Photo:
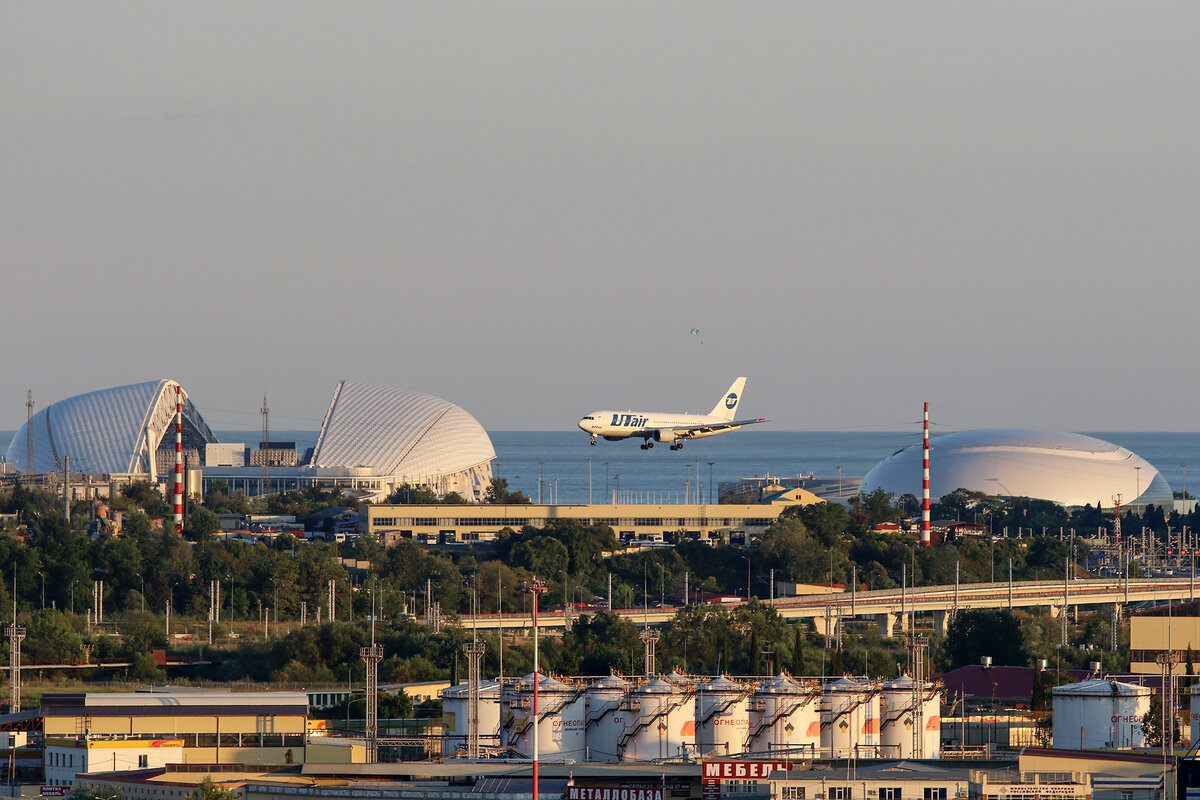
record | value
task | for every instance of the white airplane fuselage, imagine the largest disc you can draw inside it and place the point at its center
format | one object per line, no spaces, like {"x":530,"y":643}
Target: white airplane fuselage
{"x":617,"y":425}
{"x":658,"y":426}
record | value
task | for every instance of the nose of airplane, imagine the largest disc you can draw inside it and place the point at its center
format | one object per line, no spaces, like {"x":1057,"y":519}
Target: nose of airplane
{"x":583,"y":423}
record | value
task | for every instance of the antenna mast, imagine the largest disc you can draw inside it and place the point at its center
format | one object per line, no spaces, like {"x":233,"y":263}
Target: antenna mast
{"x":265,"y":479}
{"x":372,"y":655}
{"x":16,"y":633}
{"x":29,"y":431}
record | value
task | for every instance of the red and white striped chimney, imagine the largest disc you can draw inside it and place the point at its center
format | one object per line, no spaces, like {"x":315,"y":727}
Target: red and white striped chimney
{"x":925,"y":538}
{"x":178,"y":458}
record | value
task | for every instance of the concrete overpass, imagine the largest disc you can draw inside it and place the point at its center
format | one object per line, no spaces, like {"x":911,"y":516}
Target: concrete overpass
{"x":893,"y":608}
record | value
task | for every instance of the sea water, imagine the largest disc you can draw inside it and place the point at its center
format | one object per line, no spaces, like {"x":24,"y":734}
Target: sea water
{"x":560,"y":466}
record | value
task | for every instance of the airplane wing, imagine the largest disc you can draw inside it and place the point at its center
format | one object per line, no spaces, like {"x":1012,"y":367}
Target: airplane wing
{"x":688,"y":431}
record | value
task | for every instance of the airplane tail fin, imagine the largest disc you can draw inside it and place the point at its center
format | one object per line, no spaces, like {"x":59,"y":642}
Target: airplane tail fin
{"x":727,"y":406}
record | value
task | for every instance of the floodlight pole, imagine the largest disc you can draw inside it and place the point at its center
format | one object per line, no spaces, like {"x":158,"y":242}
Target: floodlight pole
{"x":535,"y":588}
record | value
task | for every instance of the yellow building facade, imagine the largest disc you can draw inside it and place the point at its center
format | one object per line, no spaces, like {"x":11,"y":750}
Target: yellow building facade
{"x":215,"y":727}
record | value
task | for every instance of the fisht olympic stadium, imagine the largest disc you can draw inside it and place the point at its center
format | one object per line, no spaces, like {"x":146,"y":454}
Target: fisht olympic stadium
{"x":1070,"y":469}
{"x":372,"y":441}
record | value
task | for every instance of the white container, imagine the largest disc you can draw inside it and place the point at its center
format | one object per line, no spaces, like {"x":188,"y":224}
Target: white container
{"x":604,"y":720}
{"x":898,"y":720}
{"x":1099,"y":714}
{"x":849,"y":719}
{"x":561,"y":710}
{"x":661,"y":722}
{"x":785,"y":716}
{"x":722,"y":718}
{"x":1194,"y":713}
{"x":456,"y":708}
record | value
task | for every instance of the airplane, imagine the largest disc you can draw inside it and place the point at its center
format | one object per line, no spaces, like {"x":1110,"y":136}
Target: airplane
{"x":654,"y":426}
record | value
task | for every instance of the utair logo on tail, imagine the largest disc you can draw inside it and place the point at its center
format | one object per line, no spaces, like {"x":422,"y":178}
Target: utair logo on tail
{"x":652,"y":426}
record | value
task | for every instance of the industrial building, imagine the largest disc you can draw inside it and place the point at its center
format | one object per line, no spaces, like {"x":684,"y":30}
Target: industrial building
{"x":1065,"y":468}
{"x":208,"y":727}
{"x":633,"y":524}
{"x":1167,"y":631}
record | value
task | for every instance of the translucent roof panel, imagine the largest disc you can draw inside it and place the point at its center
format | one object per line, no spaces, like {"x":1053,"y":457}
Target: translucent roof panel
{"x":399,"y":433}
{"x":106,"y":431}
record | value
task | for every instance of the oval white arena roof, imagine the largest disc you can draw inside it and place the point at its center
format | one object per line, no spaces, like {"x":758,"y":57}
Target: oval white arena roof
{"x":398,"y":433}
{"x":1067,"y":468}
{"x":113,"y":431}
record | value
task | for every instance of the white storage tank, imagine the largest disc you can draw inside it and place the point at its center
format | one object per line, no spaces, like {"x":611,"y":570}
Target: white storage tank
{"x":660,"y":723}
{"x":898,"y":720}
{"x":1099,"y":714}
{"x":1194,"y":713}
{"x":849,"y":719}
{"x":785,"y":716}
{"x":605,"y":721}
{"x":722,"y":717}
{"x":561,"y":710}
{"x":456,"y":709}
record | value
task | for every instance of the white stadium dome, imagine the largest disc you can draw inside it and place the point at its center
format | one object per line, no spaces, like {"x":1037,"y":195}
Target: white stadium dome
{"x":405,"y":438}
{"x":110,"y":431}
{"x":1066,"y":468}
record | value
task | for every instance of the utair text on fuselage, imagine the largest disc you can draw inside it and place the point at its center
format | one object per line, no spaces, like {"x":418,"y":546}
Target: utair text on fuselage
{"x":674,"y":428}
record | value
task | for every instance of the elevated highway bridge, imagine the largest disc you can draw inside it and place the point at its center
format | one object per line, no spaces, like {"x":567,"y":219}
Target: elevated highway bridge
{"x":893,"y":608}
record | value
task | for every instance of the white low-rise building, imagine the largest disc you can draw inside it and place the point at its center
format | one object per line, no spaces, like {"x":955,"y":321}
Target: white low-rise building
{"x":67,"y":757}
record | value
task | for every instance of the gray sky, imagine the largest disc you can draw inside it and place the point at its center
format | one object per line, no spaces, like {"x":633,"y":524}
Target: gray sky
{"x":526,"y":208}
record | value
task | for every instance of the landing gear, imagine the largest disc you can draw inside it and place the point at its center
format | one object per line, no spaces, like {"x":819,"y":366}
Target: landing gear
{"x":593,"y":441}
{"x":646,"y":445}
{"x":677,"y":446}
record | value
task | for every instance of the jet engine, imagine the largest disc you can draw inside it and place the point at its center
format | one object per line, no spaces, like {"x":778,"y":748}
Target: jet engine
{"x":665,"y":435}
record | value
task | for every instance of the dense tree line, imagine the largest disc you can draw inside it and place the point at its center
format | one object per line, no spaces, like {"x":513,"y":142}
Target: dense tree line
{"x":52,"y":566}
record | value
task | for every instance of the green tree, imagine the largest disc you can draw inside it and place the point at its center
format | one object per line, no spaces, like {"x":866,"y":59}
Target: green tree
{"x":544,"y":557}
{"x":207,"y":790}
{"x":975,"y":633}
{"x":498,"y":493}
{"x":797,"y":650}
{"x":81,"y":792}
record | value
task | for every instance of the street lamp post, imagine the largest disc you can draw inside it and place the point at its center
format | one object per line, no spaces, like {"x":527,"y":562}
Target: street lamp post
{"x":710,"y":481}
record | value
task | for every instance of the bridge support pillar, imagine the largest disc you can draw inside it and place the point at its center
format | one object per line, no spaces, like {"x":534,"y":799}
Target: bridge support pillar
{"x":941,"y":621}
{"x":887,"y":624}
{"x":1055,"y":610}
{"x":826,"y":626}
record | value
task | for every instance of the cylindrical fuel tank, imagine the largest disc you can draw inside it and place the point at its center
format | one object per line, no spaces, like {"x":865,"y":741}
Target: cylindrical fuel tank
{"x":849,"y":719}
{"x":722,"y":717}
{"x":899,"y":703}
{"x":661,"y":723}
{"x":1099,"y":714}
{"x":456,"y":708}
{"x":561,"y":710}
{"x":605,"y":721}
{"x":785,"y":716}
